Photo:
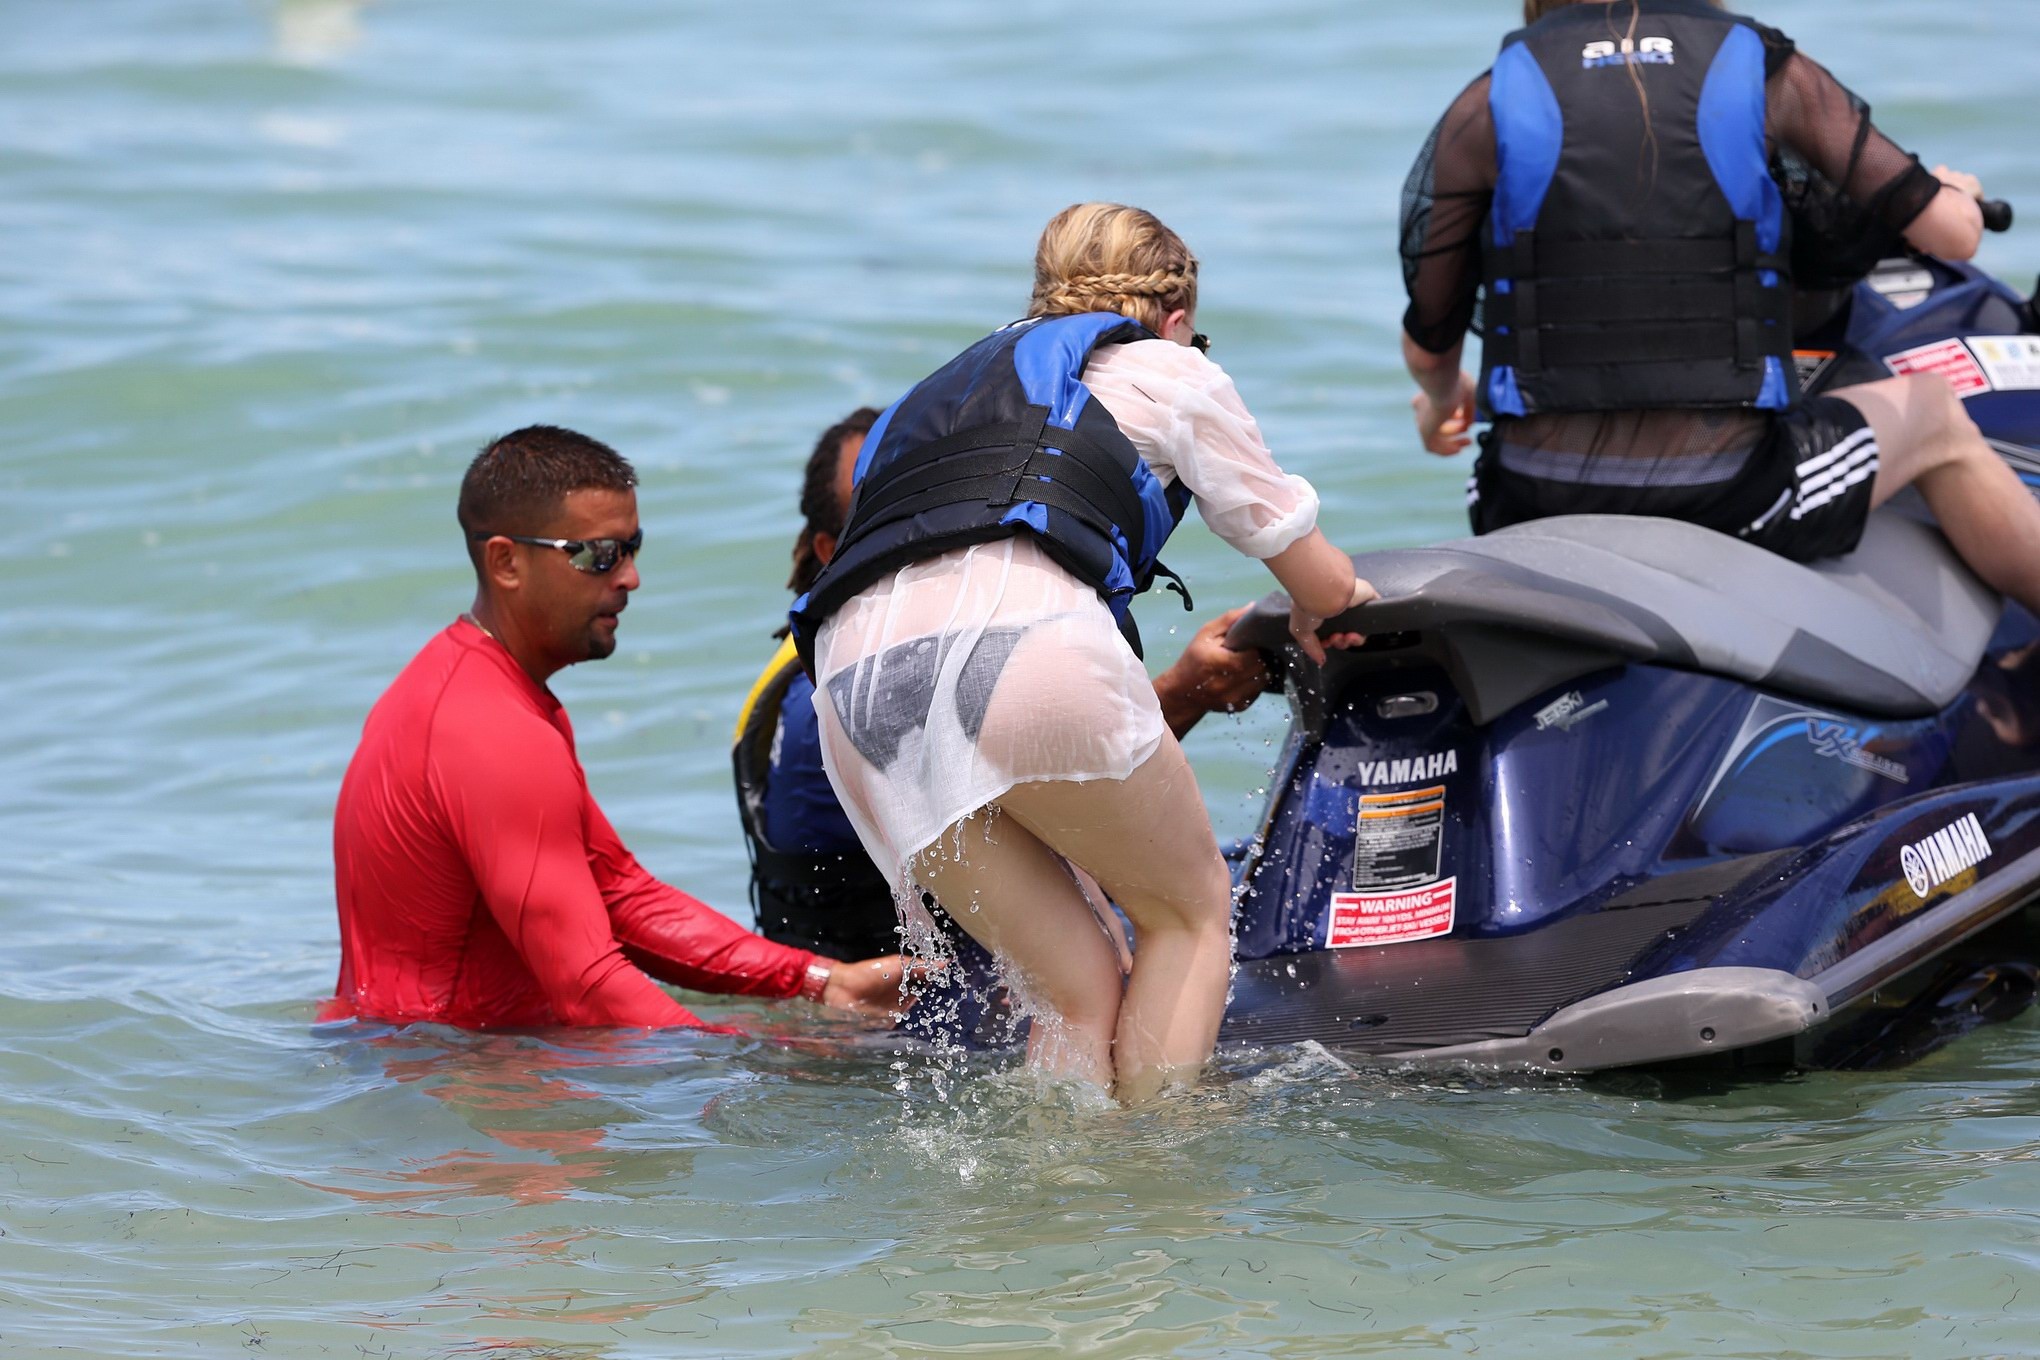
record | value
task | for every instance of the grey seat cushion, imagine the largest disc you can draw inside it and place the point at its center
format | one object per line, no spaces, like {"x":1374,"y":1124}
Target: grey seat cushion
{"x":1896,"y":629}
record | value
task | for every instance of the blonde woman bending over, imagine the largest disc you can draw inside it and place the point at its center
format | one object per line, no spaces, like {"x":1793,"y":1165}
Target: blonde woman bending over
{"x":984,"y":714}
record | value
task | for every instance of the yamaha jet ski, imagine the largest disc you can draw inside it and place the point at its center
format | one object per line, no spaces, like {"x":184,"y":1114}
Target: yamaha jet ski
{"x":1601,"y":791}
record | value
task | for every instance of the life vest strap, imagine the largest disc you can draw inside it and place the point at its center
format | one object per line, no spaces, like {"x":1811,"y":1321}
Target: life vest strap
{"x":1635,"y":302}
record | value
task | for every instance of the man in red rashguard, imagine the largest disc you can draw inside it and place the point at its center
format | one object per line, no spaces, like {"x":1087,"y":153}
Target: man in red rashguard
{"x":478,"y":883}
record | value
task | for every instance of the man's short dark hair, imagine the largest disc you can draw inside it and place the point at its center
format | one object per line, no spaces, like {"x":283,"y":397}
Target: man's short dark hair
{"x":519,"y":481}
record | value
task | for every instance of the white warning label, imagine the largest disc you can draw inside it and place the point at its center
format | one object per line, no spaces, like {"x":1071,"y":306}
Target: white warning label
{"x":2011,"y":362}
{"x":1396,"y":838}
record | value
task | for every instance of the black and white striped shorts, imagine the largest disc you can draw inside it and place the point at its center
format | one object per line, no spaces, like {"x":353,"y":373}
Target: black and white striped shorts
{"x":1821,"y":457}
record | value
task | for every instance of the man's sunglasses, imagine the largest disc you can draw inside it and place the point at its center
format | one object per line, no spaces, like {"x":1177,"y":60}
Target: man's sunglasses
{"x":597,"y":555}
{"x":1200,"y":342}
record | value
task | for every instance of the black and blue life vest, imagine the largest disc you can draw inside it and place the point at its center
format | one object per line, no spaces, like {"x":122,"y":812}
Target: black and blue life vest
{"x":1001,"y":440}
{"x":1632,"y":261}
{"x":812,"y":885}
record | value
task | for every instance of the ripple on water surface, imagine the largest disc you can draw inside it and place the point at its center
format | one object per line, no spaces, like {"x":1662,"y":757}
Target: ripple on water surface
{"x":423,"y":1190}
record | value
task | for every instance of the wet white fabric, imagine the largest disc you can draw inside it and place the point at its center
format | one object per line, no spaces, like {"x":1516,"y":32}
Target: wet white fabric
{"x":1183,"y":413}
{"x":958,"y":677}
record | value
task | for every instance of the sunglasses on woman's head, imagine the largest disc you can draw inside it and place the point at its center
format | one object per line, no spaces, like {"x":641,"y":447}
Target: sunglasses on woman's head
{"x":596,"y":555}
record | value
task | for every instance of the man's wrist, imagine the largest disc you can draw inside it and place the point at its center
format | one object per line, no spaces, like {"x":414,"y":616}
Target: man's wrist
{"x":816,"y":980}
{"x":1177,"y":697}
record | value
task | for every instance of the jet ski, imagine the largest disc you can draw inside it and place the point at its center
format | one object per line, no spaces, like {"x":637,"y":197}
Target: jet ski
{"x":1603,"y":791}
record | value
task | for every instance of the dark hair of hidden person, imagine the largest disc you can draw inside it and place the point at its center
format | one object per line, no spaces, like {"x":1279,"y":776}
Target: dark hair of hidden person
{"x":1003,"y":439}
{"x":517,"y":483}
{"x":1638,"y":254}
{"x":812,"y":885}
{"x":823,"y":507}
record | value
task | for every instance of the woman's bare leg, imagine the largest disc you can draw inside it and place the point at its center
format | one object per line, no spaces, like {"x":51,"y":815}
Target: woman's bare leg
{"x":1925,"y":438}
{"x":1148,"y":841}
{"x":1018,"y":899}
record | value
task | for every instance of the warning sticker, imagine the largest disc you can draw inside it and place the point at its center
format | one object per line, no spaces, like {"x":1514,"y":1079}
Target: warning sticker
{"x":1949,"y":358}
{"x":1811,"y":363}
{"x":1391,"y":918}
{"x":1396,"y":838}
{"x":2010,"y":362}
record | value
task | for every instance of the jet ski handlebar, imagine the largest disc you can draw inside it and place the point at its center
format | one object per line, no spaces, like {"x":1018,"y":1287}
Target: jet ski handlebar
{"x":1265,"y":627}
{"x":1997,"y":214}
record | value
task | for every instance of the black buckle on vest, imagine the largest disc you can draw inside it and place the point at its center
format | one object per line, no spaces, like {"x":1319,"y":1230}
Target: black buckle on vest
{"x":1175,"y":584}
{"x":1763,"y":314}
{"x":1027,"y":443}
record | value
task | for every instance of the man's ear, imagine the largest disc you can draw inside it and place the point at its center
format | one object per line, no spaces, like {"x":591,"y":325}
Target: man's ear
{"x":502,"y":565}
{"x":825,"y":547}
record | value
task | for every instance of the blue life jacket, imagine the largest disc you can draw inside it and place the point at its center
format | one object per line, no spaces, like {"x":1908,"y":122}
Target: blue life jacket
{"x":1001,"y":440}
{"x":1633,"y":261}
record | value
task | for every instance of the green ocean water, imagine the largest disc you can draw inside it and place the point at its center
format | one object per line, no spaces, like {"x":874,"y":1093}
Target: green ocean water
{"x":273,"y":270}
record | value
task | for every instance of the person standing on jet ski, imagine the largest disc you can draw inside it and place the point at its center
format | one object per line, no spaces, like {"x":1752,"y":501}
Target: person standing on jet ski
{"x":812,"y":884}
{"x":1606,"y":193}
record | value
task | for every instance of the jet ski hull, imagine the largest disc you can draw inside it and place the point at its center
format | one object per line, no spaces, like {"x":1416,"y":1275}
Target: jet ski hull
{"x":1606,"y":791}
{"x":1648,"y":865}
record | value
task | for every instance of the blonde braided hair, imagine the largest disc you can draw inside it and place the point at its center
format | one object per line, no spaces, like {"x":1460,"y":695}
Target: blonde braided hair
{"x":1106,"y":257}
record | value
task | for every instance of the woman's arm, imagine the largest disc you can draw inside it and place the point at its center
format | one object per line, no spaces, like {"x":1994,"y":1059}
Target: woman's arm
{"x":1445,"y":202}
{"x":1321,"y":585}
{"x":1183,"y":414}
{"x":1444,"y":404}
{"x":1826,"y":125}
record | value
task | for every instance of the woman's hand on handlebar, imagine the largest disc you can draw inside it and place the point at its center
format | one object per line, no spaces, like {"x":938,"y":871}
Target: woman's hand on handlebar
{"x":1304,"y":625}
{"x":1951,"y":225}
{"x":1960,"y":181}
{"x":1997,"y":214}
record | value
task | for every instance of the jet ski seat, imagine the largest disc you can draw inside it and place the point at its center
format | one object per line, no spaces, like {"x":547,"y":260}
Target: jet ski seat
{"x":1895,"y":629}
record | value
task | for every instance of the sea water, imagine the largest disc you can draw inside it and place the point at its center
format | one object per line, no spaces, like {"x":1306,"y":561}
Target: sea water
{"x":271,"y":271}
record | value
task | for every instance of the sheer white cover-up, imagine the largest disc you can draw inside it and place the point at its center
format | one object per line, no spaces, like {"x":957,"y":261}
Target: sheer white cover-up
{"x":958,"y":677}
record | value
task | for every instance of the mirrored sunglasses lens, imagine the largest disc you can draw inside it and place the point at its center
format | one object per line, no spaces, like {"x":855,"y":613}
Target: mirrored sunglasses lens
{"x":604,"y":555}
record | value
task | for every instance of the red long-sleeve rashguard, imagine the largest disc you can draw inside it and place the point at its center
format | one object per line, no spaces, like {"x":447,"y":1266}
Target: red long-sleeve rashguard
{"x":479,"y":884}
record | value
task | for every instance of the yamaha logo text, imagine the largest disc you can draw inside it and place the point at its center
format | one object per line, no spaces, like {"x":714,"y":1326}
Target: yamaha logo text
{"x":1406,"y":769}
{"x":1931,"y":862}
